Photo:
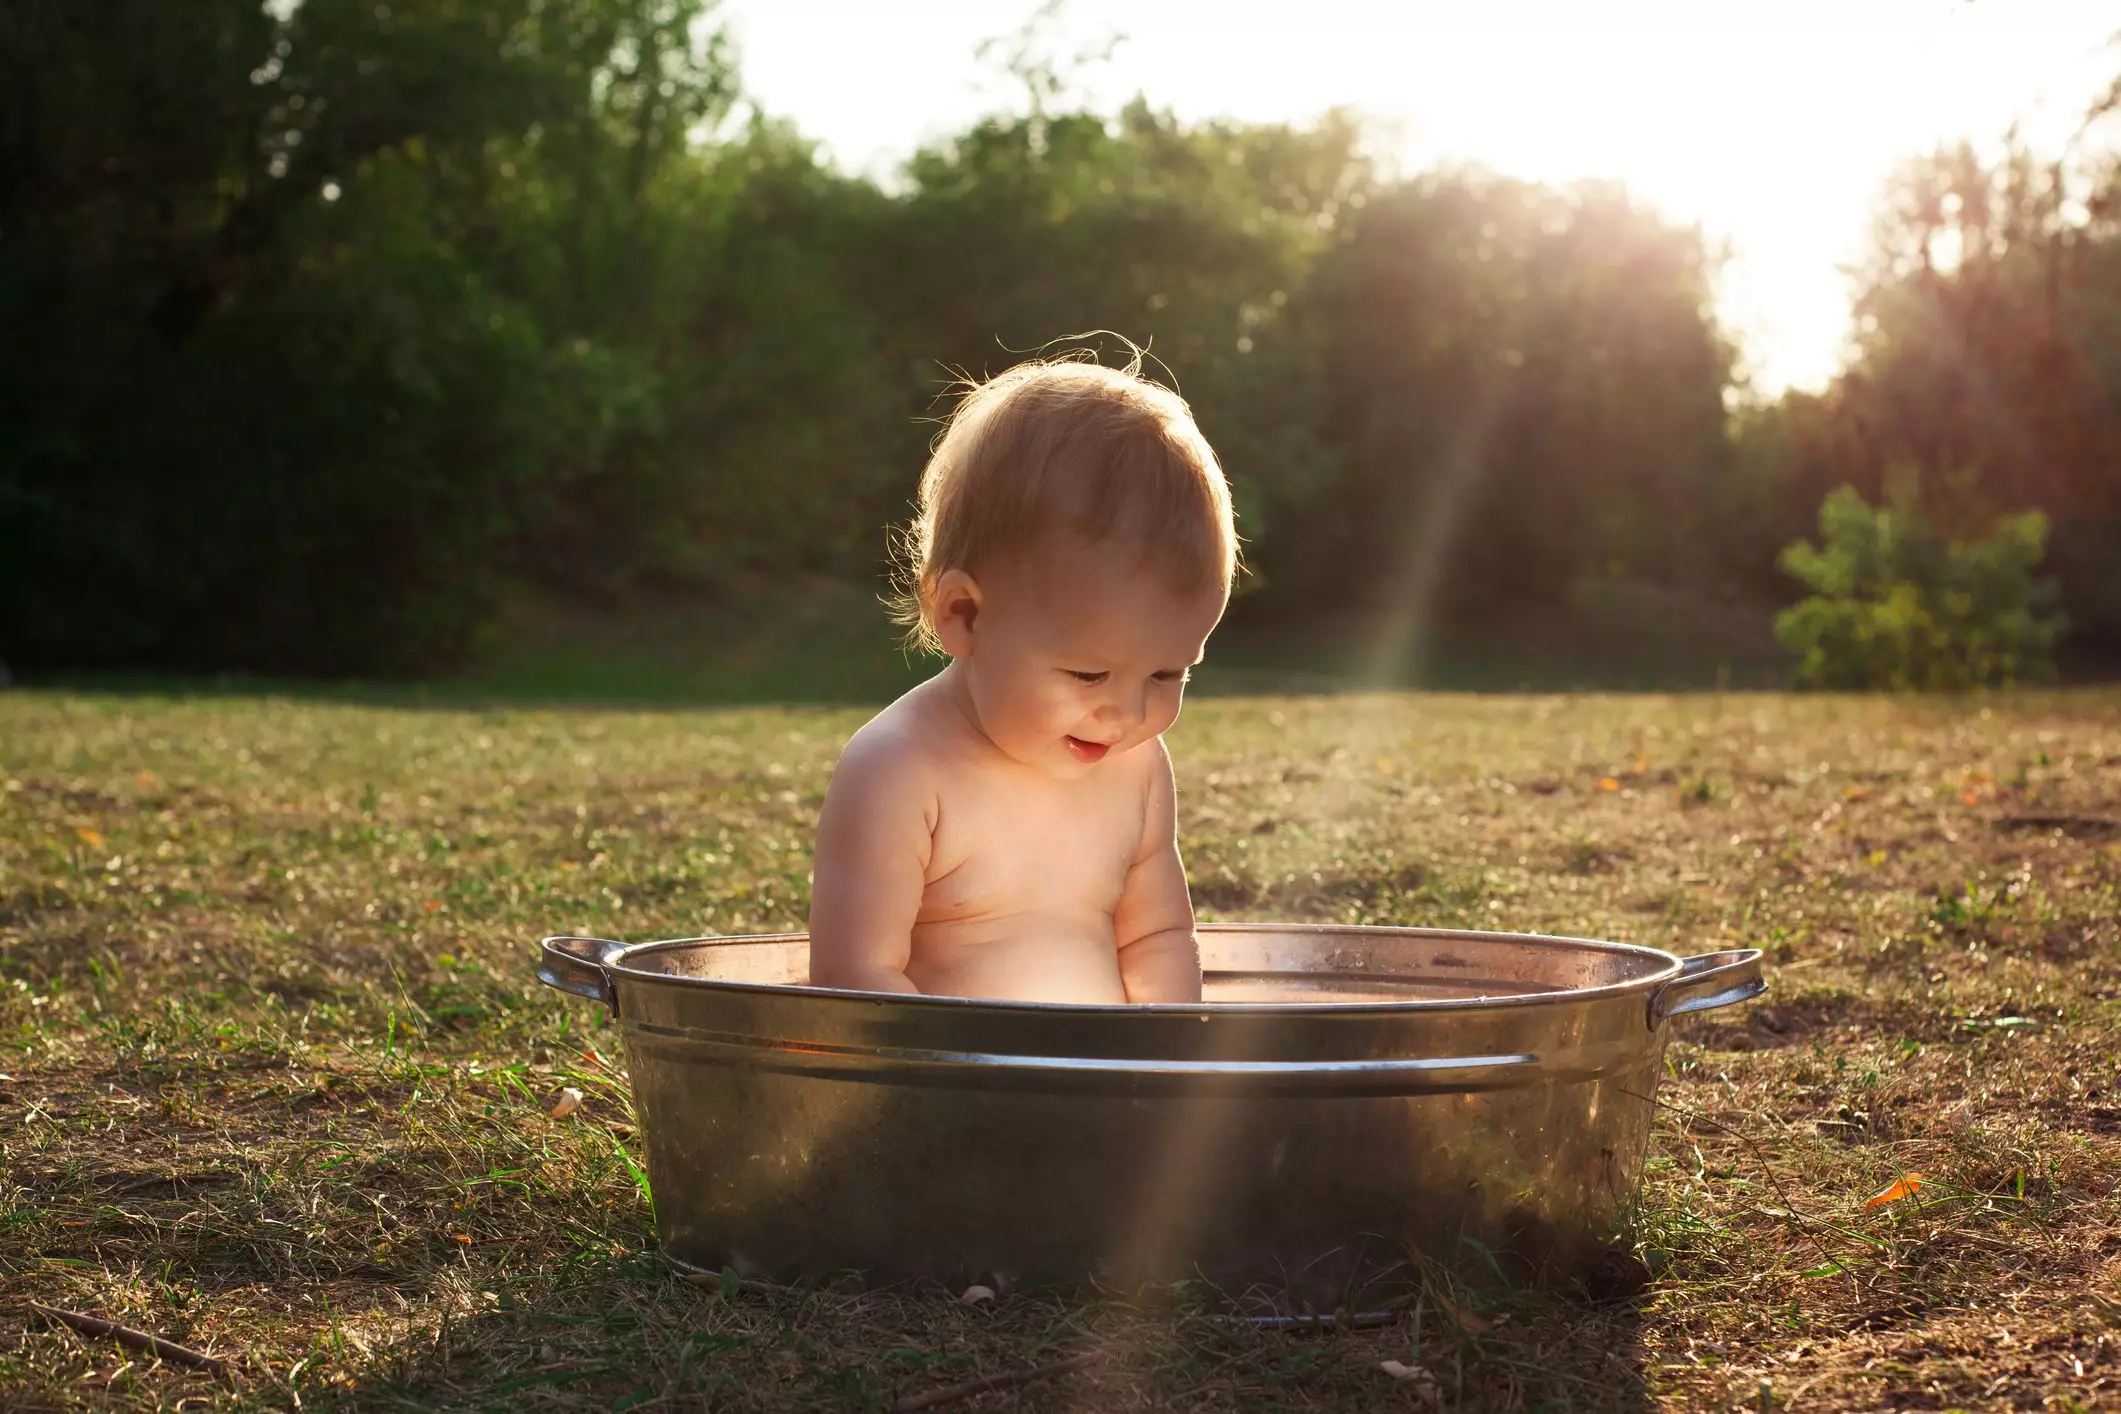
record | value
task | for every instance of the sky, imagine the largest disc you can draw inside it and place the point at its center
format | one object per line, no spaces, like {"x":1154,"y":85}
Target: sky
{"x":1770,"y":125}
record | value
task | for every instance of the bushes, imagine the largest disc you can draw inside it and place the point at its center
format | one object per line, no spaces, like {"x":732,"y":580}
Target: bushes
{"x":1896,"y":604}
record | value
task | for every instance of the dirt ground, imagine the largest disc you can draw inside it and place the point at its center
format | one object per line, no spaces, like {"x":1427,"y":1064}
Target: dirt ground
{"x":275,"y":1077}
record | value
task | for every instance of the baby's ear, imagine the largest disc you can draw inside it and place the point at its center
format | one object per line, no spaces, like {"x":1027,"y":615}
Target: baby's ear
{"x":953,"y":607}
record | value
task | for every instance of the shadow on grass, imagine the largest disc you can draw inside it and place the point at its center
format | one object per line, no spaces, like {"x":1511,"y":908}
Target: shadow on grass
{"x":625,"y":1333}
{"x":827,"y":643}
{"x":315,"y":1229}
{"x":830,"y":644}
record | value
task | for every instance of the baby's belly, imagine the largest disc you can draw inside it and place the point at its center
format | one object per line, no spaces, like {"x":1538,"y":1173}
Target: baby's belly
{"x":1027,"y":958}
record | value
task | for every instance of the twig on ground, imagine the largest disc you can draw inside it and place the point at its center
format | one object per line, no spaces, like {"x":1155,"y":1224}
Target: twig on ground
{"x":2092,"y":824}
{"x":1767,"y":1167}
{"x":712,"y":1281}
{"x":139,"y":1340}
{"x":171,"y":1180}
{"x":928,"y":1399}
{"x":1352,"y":1321}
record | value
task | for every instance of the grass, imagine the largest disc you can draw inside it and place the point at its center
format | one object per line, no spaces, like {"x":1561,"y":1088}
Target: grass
{"x":276,"y":1073}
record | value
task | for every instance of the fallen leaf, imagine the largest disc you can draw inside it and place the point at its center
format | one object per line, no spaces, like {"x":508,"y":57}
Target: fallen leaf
{"x":1856,"y":793}
{"x":974,"y":1295}
{"x":565,"y":1103}
{"x":1906,"y":1186}
{"x":1608,"y":783}
{"x":432,"y":904}
{"x":1424,"y":1383}
{"x":463,"y":1237}
{"x":1967,"y":797}
{"x":92,"y":838}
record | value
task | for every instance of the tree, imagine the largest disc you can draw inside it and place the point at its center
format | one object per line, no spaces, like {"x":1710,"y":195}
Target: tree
{"x":292,"y":365}
{"x":1194,"y":241}
{"x":1528,"y":384}
{"x":1988,"y":338}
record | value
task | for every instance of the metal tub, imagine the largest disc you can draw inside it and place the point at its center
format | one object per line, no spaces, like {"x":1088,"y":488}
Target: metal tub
{"x":1344,"y":1096}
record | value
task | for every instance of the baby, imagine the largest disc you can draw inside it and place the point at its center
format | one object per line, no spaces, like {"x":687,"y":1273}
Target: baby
{"x":1006,"y":829}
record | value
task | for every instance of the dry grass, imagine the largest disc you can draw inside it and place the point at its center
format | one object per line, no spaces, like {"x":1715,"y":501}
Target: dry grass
{"x":276,"y":1070}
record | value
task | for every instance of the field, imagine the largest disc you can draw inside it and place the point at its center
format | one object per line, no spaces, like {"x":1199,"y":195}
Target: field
{"x":277,"y":1075}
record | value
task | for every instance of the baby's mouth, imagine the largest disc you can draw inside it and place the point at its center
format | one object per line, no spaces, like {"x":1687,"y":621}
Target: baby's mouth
{"x":1088,"y":750}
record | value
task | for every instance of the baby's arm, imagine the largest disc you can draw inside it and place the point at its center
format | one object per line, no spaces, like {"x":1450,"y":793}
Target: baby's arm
{"x":874,"y":839}
{"x":1159,"y":959}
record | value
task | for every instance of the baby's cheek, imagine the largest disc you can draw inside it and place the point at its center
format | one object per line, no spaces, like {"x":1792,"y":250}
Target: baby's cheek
{"x":1161,"y":719}
{"x":1060,"y":712}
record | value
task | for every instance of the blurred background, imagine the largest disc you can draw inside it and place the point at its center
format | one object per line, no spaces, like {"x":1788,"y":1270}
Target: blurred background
{"x":587,"y":348}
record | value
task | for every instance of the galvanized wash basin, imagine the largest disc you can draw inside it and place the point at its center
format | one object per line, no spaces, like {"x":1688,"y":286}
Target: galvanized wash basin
{"x":1343,"y":1095}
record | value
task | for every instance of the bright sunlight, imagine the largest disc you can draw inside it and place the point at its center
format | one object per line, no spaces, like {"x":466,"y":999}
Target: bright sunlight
{"x":1772,"y":126}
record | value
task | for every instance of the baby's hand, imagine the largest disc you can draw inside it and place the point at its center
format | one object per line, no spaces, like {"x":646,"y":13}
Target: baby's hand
{"x":1159,"y":957}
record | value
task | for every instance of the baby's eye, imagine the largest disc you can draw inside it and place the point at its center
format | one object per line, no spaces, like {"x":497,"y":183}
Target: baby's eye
{"x":1086,"y":677}
{"x":1174,"y":675}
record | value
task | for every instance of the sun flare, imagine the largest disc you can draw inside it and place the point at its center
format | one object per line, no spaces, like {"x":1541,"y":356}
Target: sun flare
{"x":1770,"y":127}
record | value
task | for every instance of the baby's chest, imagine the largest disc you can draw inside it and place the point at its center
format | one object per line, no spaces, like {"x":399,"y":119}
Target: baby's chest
{"x":995,"y":852}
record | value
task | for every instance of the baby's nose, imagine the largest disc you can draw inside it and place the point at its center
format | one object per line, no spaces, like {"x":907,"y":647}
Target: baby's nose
{"x":1128,"y":708}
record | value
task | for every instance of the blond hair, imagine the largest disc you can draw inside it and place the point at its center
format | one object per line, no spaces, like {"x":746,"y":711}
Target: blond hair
{"x":1100,"y":451}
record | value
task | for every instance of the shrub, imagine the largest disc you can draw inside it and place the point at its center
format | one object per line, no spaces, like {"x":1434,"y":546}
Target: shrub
{"x":1896,"y":604}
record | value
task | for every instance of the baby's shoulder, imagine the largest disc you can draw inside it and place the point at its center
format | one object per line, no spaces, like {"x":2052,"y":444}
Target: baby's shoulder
{"x":1148,"y":766}
{"x":897,"y":748}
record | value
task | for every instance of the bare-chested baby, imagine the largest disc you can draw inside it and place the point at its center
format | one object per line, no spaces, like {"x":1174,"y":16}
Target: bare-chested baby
{"x":1006,"y":829}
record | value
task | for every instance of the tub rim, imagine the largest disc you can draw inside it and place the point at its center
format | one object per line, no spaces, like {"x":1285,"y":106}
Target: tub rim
{"x":593,"y":968}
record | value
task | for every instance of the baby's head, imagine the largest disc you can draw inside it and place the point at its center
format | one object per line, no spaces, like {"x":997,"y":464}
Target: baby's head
{"x":1074,"y":550}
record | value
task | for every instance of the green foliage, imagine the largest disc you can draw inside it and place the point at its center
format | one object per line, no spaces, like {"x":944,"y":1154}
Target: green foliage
{"x":313,"y":320}
{"x":1197,"y":242}
{"x":329,"y":324}
{"x":1987,"y":336}
{"x":1897,"y":605}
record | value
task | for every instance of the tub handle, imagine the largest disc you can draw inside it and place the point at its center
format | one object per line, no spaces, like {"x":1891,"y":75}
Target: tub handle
{"x":581,"y":966}
{"x":1711,"y":980}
